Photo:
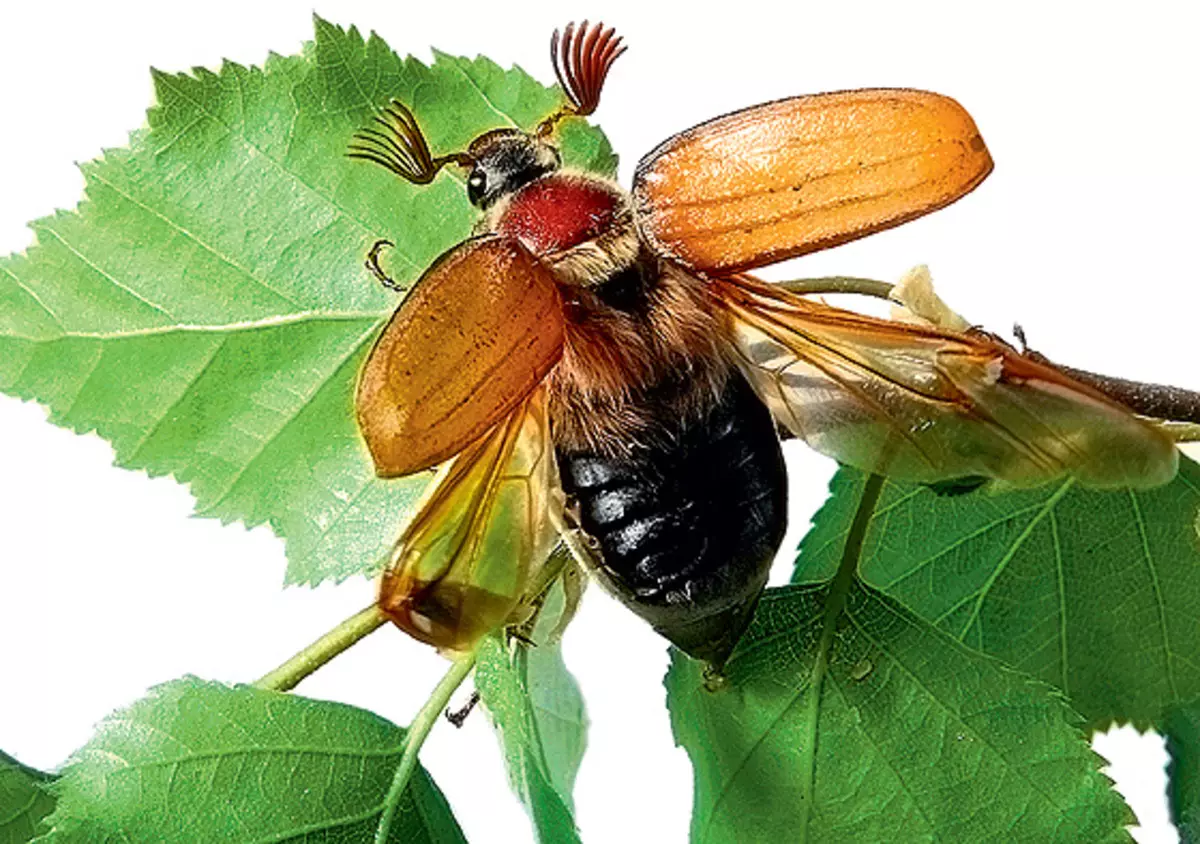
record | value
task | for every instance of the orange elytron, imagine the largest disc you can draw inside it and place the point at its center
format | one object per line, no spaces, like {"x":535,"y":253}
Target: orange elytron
{"x":791,"y":177}
{"x":508,"y":318}
{"x":596,"y":367}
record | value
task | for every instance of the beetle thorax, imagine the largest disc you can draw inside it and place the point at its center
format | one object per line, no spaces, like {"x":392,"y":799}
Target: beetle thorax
{"x":640,"y":346}
{"x":578,"y":224}
{"x":559,"y":211}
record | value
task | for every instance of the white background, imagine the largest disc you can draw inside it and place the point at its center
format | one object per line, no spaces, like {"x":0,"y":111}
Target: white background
{"x":1085,"y":233}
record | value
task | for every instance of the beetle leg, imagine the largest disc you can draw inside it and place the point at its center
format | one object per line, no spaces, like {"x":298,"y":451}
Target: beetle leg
{"x":458,"y":717}
{"x":1019,"y":333}
{"x":564,"y":568}
{"x":372,"y":264}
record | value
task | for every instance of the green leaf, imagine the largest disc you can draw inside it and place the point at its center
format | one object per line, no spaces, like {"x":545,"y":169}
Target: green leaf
{"x":24,"y":801}
{"x":1094,"y":592}
{"x":206,"y":309}
{"x":202,"y":761}
{"x":1182,"y":731}
{"x":870,"y":725}
{"x":538,"y":711}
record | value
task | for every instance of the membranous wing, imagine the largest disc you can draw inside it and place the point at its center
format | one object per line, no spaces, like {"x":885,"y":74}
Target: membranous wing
{"x":797,"y":175}
{"x":928,"y":405}
{"x":464,"y":564}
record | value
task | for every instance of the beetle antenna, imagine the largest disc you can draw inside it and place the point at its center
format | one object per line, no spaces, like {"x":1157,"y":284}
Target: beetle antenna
{"x":582,"y":58}
{"x":398,"y":144}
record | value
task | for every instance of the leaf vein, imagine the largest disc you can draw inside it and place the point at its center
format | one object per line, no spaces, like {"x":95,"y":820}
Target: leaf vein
{"x":347,"y":506}
{"x":458,"y":65}
{"x":187,"y":233}
{"x":1065,"y":683}
{"x":958,"y":717}
{"x":289,"y":173}
{"x":179,"y":399}
{"x":959,"y":542}
{"x":887,"y":761}
{"x":179,"y":136}
{"x":344,"y":62}
{"x":107,"y":276}
{"x":288,"y":419}
{"x":1159,"y":604}
{"x":21,"y":810}
{"x":95,"y":365}
{"x":247,"y":753}
{"x":214,"y":328}
{"x":986,"y":589}
{"x":32,"y":295}
{"x":728,"y":783}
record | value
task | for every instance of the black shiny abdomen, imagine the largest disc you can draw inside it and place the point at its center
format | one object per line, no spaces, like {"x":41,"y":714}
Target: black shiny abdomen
{"x":687,"y":531}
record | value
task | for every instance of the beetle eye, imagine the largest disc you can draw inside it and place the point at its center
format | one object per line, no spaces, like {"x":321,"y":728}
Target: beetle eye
{"x":476,"y":185}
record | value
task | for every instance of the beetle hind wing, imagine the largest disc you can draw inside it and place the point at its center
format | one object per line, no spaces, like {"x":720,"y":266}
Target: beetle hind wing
{"x":929,"y":405}
{"x":464,"y":564}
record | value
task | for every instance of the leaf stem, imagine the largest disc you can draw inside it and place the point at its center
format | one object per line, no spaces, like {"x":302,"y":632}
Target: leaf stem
{"x":415,"y":737}
{"x":837,"y":284}
{"x":835,"y":604}
{"x":356,"y":627}
{"x":1180,"y":432}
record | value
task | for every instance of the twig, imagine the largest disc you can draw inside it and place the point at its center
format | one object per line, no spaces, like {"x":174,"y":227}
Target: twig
{"x":356,"y":627}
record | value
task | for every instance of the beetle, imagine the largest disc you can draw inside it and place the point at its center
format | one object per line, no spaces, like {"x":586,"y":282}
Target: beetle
{"x":615,"y":378}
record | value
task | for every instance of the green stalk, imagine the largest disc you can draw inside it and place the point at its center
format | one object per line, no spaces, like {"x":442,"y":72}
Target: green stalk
{"x":356,"y":627}
{"x":415,"y":737}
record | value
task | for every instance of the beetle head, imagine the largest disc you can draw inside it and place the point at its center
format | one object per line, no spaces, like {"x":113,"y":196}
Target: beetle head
{"x":502,"y":160}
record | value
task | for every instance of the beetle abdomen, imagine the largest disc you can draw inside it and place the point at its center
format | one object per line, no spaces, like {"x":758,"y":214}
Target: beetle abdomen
{"x":687,"y":530}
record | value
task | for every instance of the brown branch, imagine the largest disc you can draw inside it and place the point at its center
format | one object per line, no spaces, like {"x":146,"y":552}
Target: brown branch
{"x":1159,"y":401}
